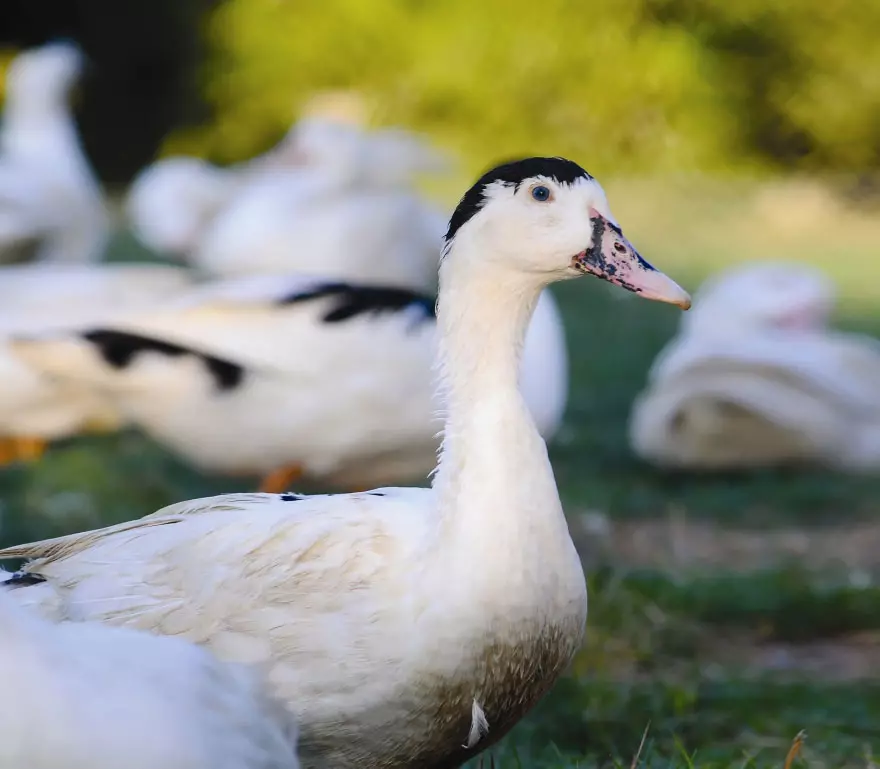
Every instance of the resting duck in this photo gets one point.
(286, 377)
(756, 378)
(35, 408)
(404, 626)
(89, 696)
(343, 208)
(172, 202)
(50, 201)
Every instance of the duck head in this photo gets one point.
(549, 218)
(48, 73)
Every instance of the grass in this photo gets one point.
(711, 635)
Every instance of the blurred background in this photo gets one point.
(733, 603)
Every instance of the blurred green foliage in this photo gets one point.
(628, 85)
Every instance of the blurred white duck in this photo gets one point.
(36, 408)
(89, 696)
(172, 203)
(48, 195)
(344, 210)
(286, 377)
(755, 378)
(405, 627)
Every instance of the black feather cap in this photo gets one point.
(512, 173)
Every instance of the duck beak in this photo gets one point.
(612, 257)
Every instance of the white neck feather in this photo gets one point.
(494, 482)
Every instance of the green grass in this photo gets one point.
(684, 650)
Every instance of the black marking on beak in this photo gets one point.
(609, 268)
(593, 255)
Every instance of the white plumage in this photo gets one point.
(89, 696)
(172, 201)
(37, 292)
(756, 378)
(392, 617)
(276, 382)
(341, 207)
(48, 194)
(36, 407)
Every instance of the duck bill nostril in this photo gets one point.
(612, 257)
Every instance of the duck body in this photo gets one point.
(88, 696)
(284, 223)
(756, 378)
(335, 201)
(48, 193)
(781, 398)
(247, 376)
(403, 627)
(418, 705)
(236, 377)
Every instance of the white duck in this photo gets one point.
(405, 627)
(35, 408)
(756, 378)
(172, 204)
(89, 696)
(285, 377)
(48, 194)
(342, 208)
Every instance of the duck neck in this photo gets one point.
(42, 129)
(494, 481)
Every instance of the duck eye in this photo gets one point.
(541, 193)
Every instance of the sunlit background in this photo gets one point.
(730, 608)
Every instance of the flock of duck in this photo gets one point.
(296, 342)
(389, 627)
(395, 627)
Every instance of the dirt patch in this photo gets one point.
(675, 544)
(852, 658)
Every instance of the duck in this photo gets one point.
(757, 378)
(342, 206)
(284, 377)
(36, 409)
(91, 696)
(170, 204)
(51, 204)
(401, 626)
(175, 202)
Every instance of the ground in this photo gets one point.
(727, 613)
